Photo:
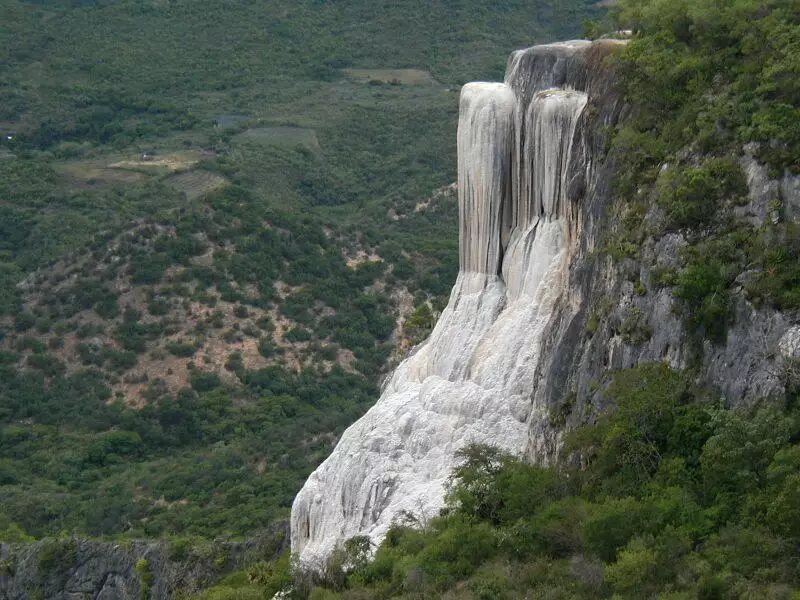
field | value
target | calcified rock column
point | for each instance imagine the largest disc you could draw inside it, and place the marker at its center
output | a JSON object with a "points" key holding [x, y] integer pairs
{"points": [[485, 146], [398, 456], [473, 379]]}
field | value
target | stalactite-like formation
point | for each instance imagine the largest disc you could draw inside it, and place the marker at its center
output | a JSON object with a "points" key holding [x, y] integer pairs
{"points": [[473, 379], [485, 142]]}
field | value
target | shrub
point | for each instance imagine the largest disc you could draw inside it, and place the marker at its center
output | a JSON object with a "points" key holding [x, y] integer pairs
{"points": [[120, 360], [57, 555], [158, 307], [297, 334], [49, 365], [204, 381], [181, 349], [419, 323], [235, 362], [24, 321], [691, 196], [145, 577], [705, 301], [272, 577], [266, 347]]}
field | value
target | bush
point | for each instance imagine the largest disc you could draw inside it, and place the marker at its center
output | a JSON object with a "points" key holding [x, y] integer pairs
{"points": [[272, 577], [457, 552], [148, 268], [24, 321], [120, 360], [158, 307], [691, 196], [145, 577], [49, 365], [626, 445], [203, 381], [181, 349], [57, 555], [297, 334]]}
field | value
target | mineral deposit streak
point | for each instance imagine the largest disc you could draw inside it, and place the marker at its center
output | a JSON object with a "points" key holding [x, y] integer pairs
{"points": [[472, 380]]}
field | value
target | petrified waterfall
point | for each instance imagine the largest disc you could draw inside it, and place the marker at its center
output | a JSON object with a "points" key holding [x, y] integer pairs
{"points": [[521, 158]]}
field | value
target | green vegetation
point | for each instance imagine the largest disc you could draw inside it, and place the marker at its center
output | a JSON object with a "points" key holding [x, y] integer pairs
{"points": [[145, 577], [714, 74], [667, 495], [215, 460], [207, 214], [691, 196], [419, 323], [707, 78], [56, 554]]}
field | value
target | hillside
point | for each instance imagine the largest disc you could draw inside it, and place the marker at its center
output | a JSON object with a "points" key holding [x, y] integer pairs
{"points": [[659, 448], [213, 219], [201, 293]]}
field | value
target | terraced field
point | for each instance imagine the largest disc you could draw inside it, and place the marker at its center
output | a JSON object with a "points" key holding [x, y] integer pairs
{"points": [[281, 136], [196, 184]]}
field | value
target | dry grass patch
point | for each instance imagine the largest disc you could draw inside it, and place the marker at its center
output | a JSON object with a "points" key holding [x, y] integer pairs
{"points": [[360, 257], [174, 161], [92, 173]]}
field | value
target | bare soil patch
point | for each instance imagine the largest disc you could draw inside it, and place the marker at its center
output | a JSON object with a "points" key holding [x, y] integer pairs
{"points": [[175, 161]]}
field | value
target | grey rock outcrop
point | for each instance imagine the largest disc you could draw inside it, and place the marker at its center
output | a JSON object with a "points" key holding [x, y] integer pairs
{"points": [[77, 569], [614, 316]]}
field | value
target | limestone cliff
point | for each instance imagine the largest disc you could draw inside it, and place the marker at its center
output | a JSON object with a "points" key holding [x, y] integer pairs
{"points": [[79, 569], [527, 164], [539, 315]]}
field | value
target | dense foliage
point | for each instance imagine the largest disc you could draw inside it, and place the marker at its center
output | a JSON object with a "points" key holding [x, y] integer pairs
{"points": [[708, 79], [217, 461], [211, 216], [668, 495], [176, 174]]}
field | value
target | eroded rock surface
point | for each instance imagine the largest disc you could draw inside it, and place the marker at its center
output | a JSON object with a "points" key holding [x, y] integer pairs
{"points": [[520, 151], [540, 314]]}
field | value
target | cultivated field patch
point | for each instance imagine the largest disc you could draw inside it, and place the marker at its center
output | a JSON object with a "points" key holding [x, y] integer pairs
{"points": [[283, 136], [196, 184], [94, 172], [174, 161]]}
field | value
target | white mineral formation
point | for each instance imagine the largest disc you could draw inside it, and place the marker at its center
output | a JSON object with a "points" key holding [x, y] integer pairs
{"points": [[473, 379]]}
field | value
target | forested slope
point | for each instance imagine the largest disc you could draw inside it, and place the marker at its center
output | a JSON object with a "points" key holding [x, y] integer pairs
{"points": [[669, 496], [196, 199], [213, 220], [663, 489]]}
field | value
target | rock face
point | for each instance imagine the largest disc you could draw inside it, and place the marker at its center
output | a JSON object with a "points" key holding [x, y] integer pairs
{"points": [[540, 315], [79, 569], [524, 168], [75, 569]]}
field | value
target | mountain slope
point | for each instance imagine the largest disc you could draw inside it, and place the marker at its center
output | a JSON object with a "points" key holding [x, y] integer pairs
{"points": [[685, 255], [209, 235]]}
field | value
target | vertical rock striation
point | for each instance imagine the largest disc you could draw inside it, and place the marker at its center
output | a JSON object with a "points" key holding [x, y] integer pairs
{"points": [[525, 167], [485, 143]]}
